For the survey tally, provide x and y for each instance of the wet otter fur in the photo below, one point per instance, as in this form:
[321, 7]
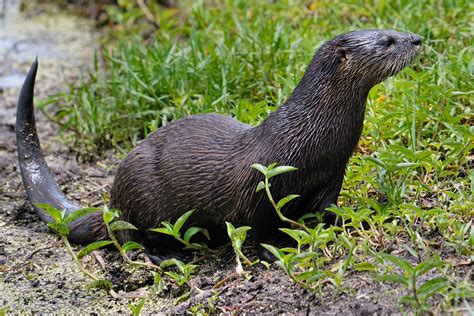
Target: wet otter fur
[203, 162]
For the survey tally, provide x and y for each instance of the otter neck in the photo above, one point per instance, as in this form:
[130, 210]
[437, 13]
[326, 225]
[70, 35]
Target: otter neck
[320, 124]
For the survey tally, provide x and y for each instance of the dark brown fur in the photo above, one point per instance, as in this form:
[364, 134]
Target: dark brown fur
[203, 162]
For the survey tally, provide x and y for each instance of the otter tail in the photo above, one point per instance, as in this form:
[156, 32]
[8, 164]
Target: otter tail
[39, 183]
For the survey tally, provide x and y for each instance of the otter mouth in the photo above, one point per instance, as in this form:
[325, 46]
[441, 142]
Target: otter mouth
[403, 61]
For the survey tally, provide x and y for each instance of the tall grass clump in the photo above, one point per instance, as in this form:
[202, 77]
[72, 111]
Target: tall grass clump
[243, 59]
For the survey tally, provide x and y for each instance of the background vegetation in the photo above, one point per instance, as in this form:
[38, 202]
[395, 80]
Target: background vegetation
[408, 190]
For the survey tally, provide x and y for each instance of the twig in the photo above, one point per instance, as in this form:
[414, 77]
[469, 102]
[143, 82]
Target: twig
[90, 192]
[198, 259]
[100, 260]
[26, 259]
[136, 294]
[148, 15]
[227, 279]
[31, 254]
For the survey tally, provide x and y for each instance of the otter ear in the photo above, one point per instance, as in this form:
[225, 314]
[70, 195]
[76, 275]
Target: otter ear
[341, 53]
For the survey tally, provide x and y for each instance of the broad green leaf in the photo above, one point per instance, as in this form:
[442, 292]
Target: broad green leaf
[365, 266]
[281, 265]
[137, 308]
[260, 186]
[305, 255]
[307, 216]
[402, 165]
[167, 225]
[171, 262]
[296, 234]
[241, 232]
[279, 170]
[260, 168]
[109, 215]
[405, 265]
[410, 300]
[51, 210]
[156, 277]
[376, 161]
[162, 230]
[180, 222]
[173, 275]
[71, 217]
[59, 228]
[237, 234]
[433, 286]
[289, 250]
[308, 275]
[427, 266]
[411, 250]
[237, 242]
[271, 166]
[266, 264]
[230, 229]
[346, 241]
[274, 251]
[285, 200]
[193, 231]
[121, 225]
[374, 204]
[131, 245]
[395, 278]
[92, 246]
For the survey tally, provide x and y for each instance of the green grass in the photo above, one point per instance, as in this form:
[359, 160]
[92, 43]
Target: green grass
[411, 180]
[244, 60]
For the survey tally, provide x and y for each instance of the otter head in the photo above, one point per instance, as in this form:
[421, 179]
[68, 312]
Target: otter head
[369, 56]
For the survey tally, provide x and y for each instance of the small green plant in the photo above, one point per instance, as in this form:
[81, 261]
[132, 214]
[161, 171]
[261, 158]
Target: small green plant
[392, 177]
[237, 237]
[462, 237]
[174, 230]
[409, 277]
[60, 226]
[184, 273]
[205, 309]
[114, 225]
[136, 308]
[158, 284]
[269, 172]
[304, 264]
[4, 310]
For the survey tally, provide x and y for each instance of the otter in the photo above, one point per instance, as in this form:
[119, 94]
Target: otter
[202, 162]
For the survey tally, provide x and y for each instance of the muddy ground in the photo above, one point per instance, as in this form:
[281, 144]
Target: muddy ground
[36, 273]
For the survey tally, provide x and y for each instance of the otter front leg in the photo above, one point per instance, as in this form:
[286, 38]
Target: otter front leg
[328, 199]
[265, 230]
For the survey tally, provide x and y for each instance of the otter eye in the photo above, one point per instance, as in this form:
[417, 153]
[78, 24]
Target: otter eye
[386, 41]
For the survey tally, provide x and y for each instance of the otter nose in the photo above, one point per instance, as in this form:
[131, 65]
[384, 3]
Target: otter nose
[416, 40]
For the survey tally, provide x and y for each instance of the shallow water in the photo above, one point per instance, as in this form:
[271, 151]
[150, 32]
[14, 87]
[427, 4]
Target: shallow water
[55, 37]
